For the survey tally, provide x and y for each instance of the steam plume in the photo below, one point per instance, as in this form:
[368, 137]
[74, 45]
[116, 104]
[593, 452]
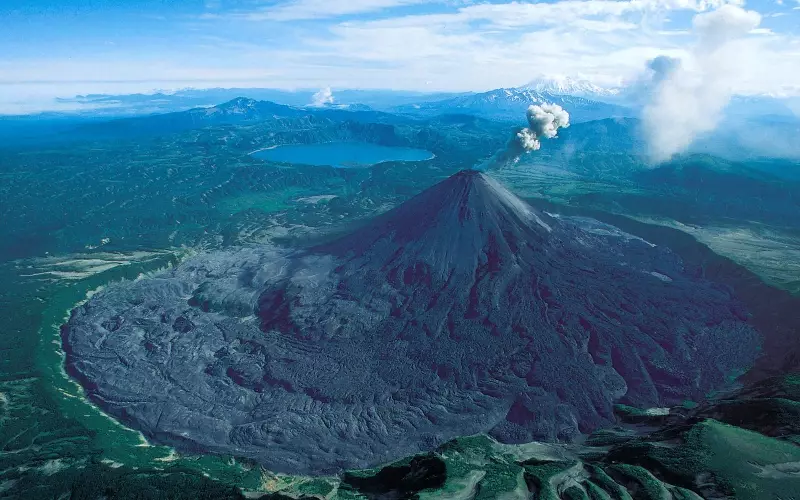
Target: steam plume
[543, 123]
[662, 68]
[689, 101]
[322, 98]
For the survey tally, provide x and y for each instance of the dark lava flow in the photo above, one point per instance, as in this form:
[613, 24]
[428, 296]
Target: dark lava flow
[462, 311]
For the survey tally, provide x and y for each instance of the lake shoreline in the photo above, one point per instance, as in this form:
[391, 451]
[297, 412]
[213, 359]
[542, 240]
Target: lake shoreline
[341, 154]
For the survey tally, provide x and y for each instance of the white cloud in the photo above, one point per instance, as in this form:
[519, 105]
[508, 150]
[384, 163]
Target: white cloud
[695, 5]
[515, 15]
[510, 14]
[487, 46]
[492, 45]
[318, 9]
[724, 24]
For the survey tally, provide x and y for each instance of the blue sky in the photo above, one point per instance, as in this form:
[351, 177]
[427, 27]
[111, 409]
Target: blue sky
[56, 47]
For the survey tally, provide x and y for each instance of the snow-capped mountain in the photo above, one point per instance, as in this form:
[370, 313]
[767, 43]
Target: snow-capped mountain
[511, 104]
[564, 85]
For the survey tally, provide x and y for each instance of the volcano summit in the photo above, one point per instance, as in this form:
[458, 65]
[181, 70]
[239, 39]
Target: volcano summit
[462, 311]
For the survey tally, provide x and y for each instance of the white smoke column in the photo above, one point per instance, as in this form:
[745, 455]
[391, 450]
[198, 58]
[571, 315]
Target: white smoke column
[322, 98]
[543, 122]
[528, 140]
[687, 103]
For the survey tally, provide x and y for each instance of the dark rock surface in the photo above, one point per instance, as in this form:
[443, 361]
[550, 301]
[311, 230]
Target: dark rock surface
[462, 311]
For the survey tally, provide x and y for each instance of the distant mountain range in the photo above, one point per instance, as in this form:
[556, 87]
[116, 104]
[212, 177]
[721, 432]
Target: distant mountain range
[544, 89]
[503, 104]
[111, 105]
[500, 104]
[584, 100]
[511, 104]
[239, 111]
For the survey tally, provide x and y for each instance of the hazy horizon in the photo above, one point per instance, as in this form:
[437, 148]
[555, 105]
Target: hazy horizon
[55, 48]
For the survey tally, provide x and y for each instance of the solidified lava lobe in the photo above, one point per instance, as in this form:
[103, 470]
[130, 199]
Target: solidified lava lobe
[462, 311]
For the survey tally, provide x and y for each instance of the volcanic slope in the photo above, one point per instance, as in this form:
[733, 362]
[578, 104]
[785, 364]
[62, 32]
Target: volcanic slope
[462, 311]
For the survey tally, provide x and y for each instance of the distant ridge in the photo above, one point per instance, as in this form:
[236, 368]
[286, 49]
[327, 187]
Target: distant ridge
[238, 111]
[510, 104]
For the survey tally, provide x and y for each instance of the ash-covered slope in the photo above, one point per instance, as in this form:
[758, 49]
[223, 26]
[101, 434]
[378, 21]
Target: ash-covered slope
[455, 226]
[462, 311]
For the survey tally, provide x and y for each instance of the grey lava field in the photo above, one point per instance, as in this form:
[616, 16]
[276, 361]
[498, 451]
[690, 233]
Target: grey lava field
[463, 310]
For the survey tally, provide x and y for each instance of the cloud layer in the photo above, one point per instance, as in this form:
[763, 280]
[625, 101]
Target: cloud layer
[451, 45]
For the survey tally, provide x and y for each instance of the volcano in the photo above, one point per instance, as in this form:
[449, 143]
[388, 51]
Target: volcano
[462, 311]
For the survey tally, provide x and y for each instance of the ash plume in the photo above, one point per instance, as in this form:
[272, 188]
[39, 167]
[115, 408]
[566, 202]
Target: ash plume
[544, 122]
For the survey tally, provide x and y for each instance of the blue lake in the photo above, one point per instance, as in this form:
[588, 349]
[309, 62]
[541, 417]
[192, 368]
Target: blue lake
[341, 154]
